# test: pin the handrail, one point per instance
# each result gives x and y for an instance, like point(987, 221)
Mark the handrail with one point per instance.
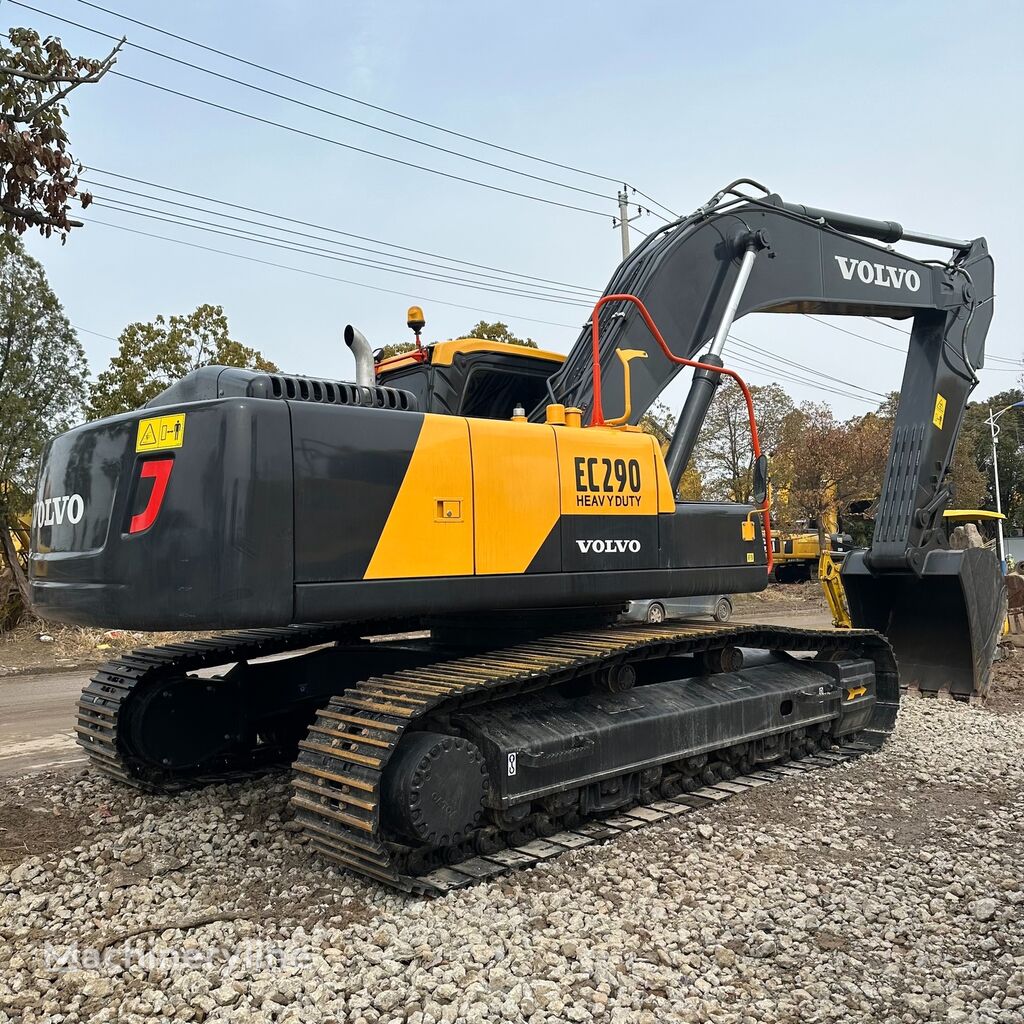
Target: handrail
point(597, 413)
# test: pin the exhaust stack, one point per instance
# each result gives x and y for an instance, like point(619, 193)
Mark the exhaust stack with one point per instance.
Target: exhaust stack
point(363, 354)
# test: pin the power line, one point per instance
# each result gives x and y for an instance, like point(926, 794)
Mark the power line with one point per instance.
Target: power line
point(773, 377)
point(326, 277)
point(854, 334)
point(883, 323)
point(356, 149)
point(245, 235)
point(559, 290)
point(125, 206)
point(803, 367)
point(352, 99)
point(325, 138)
point(672, 213)
point(320, 227)
point(85, 330)
point(1014, 363)
point(796, 379)
point(314, 107)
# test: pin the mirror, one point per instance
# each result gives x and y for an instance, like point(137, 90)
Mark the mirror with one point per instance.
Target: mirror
point(760, 479)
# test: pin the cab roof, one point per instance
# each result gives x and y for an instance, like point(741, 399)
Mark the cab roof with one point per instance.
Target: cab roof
point(443, 353)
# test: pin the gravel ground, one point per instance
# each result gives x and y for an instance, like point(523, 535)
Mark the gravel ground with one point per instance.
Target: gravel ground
point(886, 890)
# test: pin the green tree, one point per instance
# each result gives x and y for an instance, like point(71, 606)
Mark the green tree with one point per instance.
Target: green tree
point(39, 176)
point(151, 356)
point(481, 329)
point(723, 453)
point(974, 456)
point(43, 375)
point(497, 332)
point(660, 421)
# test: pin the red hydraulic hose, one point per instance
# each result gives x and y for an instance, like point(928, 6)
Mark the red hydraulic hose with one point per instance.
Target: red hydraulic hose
point(597, 413)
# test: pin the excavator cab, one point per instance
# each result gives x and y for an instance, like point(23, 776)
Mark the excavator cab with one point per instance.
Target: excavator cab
point(471, 377)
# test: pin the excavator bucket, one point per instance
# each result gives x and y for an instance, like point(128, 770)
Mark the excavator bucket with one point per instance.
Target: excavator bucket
point(944, 624)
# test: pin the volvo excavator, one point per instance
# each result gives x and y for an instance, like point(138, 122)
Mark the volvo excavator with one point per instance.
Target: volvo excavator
point(505, 501)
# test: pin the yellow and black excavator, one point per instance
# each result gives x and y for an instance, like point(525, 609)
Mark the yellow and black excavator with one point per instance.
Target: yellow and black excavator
point(505, 499)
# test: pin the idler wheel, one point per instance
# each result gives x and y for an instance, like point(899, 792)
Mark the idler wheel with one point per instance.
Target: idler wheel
point(434, 788)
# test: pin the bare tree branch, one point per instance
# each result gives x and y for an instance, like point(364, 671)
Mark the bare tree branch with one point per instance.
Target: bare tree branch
point(185, 924)
point(11, 558)
point(73, 82)
point(34, 217)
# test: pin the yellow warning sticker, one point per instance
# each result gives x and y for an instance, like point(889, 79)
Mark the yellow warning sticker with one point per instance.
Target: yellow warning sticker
point(750, 556)
point(940, 411)
point(159, 432)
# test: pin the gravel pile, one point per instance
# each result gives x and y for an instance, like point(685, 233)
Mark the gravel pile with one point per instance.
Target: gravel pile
point(886, 890)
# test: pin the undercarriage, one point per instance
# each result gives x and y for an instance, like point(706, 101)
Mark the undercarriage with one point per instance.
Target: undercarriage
point(425, 765)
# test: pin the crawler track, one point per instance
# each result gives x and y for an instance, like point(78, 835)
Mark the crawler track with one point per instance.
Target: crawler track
point(339, 770)
point(341, 764)
point(104, 708)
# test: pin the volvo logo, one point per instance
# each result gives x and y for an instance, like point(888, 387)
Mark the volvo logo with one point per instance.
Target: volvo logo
point(600, 547)
point(54, 511)
point(880, 274)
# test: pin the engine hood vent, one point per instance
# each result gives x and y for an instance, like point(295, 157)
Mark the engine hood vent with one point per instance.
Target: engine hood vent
point(210, 382)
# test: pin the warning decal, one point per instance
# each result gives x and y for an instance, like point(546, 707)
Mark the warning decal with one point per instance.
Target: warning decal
point(159, 432)
point(940, 411)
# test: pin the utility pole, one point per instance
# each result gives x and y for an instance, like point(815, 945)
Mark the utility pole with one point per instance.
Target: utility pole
point(624, 221)
point(995, 476)
point(992, 417)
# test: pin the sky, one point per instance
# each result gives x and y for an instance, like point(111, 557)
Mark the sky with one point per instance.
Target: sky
point(910, 111)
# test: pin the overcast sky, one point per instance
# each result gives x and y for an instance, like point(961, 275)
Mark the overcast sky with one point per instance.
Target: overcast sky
point(909, 111)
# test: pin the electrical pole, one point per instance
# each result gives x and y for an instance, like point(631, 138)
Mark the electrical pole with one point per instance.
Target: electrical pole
point(624, 221)
point(992, 417)
point(995, 476)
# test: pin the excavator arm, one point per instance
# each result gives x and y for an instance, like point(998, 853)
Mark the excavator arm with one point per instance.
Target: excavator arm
point(743, 254)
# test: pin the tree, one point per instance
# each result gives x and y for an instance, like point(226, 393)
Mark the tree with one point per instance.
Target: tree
point(481, 329)
point(973, 457)
point(724, 455)
point(151, 356)
point(43, 375)
point(40, 176)
point(660, 421)
point(497, 332)
point(838, 462)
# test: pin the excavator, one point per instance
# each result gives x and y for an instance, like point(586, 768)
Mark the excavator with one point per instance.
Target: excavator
point(505, 501)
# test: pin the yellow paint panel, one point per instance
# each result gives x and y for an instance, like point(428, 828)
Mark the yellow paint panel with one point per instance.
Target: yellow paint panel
point(157, 433)
point(515, 492)
point(443, 353)
point(607, 472)
point(666, 496)
point(420, 538)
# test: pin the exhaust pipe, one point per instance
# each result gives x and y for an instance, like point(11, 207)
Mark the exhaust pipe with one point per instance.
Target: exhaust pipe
point(363, 354)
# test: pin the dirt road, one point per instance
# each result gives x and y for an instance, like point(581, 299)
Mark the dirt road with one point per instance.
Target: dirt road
point(37, 715)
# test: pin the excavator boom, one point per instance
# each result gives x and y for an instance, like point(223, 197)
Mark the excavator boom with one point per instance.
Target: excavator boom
point(940, 609)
